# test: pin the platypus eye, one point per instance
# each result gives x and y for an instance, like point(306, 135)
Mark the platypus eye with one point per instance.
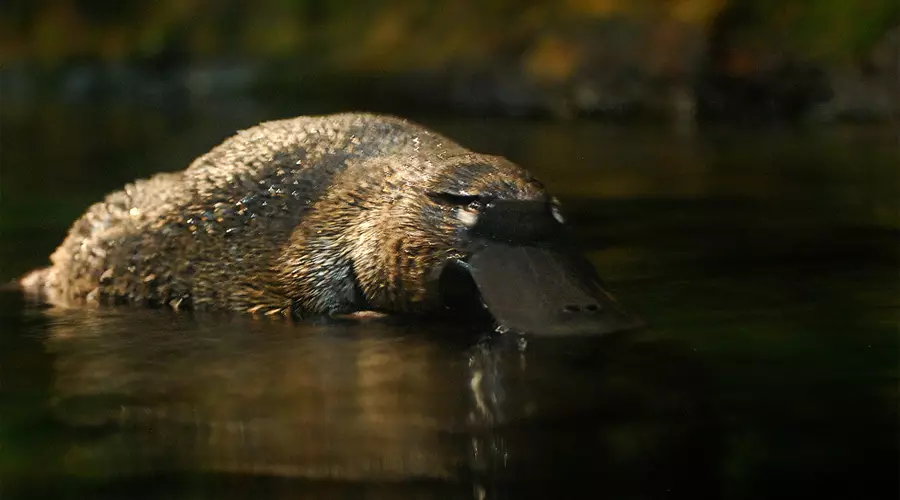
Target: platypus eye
point(445, 198)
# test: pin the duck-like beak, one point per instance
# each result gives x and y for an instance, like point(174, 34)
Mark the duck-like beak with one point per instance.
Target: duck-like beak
point(530, 281)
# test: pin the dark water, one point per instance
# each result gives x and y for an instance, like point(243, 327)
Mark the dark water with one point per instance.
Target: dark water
point(766, 263)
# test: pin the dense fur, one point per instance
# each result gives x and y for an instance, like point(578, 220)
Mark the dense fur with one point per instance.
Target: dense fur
point(305, 216)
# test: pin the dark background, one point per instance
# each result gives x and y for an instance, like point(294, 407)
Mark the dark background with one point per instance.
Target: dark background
point(734, 60)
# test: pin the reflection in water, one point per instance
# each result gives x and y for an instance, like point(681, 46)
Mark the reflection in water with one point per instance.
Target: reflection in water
point(235, 396)
point(158, 392)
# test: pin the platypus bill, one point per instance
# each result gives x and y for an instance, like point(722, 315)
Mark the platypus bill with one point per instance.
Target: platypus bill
point(331, 215)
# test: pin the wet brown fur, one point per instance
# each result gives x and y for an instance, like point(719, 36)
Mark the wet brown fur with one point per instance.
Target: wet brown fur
point(304, 216)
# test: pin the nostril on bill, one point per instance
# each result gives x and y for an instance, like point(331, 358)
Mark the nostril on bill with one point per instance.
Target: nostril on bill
point(574, 308)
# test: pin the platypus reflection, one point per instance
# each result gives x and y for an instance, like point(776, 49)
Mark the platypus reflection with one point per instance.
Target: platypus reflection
point(333, 215)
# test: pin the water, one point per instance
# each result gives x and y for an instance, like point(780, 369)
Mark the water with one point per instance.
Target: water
point(765, 262)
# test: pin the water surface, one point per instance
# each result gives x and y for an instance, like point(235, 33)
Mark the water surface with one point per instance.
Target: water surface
point(765, 263)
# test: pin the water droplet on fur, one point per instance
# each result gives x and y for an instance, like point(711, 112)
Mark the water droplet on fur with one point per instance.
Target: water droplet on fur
point(106, 276)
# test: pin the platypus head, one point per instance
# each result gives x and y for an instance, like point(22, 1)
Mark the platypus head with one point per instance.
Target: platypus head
point(514, 254)
point(467, 233)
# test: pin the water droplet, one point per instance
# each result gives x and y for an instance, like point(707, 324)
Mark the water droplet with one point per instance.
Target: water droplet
point(106, 276)
point(557, 214)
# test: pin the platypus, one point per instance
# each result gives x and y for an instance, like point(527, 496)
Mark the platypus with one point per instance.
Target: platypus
point(331, 215)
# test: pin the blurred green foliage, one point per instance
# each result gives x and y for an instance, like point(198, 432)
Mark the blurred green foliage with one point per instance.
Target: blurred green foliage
point(393, 34)
point(827, 30)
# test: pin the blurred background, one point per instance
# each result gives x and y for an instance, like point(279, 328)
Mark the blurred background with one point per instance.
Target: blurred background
point(737, 60)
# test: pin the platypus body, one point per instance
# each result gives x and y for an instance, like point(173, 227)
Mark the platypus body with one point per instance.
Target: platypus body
point(331, 215)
